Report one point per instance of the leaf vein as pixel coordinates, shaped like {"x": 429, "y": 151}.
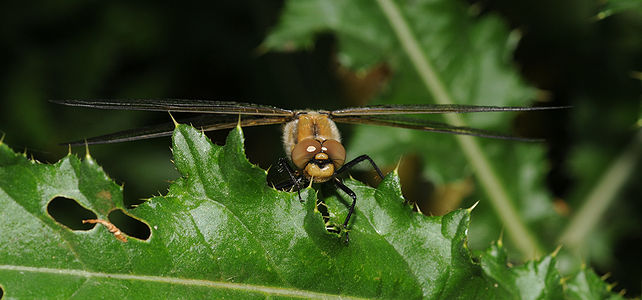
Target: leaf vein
{"x": 268, "y": 290}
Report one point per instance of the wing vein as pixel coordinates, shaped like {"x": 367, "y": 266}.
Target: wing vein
{"x": 180, "y": 105}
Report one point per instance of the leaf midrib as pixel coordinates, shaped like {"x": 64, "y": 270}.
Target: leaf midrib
{"x": 179, "y": 281}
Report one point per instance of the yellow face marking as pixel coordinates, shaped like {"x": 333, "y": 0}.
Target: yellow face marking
{"x": 319, "y": 174}
{"x": 321, "y": 156}
{"x": 311, "y": 149}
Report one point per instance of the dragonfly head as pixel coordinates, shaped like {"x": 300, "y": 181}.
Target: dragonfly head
{"x": 318, "y": 159}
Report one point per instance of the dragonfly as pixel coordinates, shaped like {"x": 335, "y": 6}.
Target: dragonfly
{"x": 311, "y": 139}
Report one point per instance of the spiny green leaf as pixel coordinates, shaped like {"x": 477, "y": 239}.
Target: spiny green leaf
{"x": 533, "y": 280}
{"x": 221, "y": 231}
{"x": 585, "y": 284}
{"x": 220, "y": 224}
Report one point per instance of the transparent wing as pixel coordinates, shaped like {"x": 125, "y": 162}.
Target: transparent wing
{"x": 180, "y": 105}
{"x": 426, "y": 125}
{"x": 203, "y": 122}
{"x": 429, "y": 109}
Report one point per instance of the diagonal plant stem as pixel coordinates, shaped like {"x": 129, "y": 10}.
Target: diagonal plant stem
{"x": 515, "y": 228}
{"x": 599, "y": 199}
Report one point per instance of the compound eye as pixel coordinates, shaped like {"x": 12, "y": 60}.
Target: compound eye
{"x": 304, "y": 151}
{"x": 335, "y": 151}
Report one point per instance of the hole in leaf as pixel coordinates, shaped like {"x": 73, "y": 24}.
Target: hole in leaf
{"x": 1, "y": 292}
{"x": 130, "y": 226}
{"x": 69, "y": 213}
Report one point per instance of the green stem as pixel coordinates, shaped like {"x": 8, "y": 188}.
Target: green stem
{"x": 501, "y": 202}
{"x": 600, "y": 198}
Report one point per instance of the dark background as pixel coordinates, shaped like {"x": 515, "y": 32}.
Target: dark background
{"x": 146, "y": 49}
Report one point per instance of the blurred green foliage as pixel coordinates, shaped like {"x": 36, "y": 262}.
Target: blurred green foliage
{"x": 121, "y": 49}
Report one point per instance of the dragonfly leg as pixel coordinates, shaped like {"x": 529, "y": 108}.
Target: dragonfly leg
{"x": 352, "y": 195}
{"x": 357, "y": 160}
{"x": 296, "y": 182}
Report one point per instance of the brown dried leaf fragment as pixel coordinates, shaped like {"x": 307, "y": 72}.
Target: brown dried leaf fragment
{"x": 111, "y": 227}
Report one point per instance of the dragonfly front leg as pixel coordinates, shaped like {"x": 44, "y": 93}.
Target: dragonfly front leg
{"x": 296, "y": 180}
{"x": 357, "y": 160}
{"x": 352, "y": 195}
{"x": 350, "y": 192}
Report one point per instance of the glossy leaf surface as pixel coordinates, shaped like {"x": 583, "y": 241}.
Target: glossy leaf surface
{"x": 221, "y": 231}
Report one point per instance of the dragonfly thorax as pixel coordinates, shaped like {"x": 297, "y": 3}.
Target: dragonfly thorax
{"x": 314, "y": 144}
